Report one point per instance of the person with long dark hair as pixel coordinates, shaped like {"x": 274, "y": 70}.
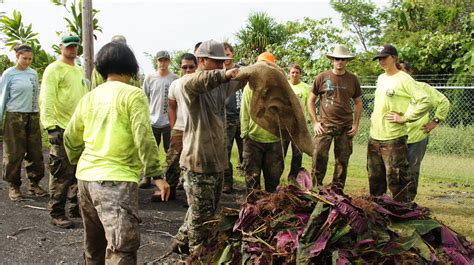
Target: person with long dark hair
{"x": 22, "y": 134}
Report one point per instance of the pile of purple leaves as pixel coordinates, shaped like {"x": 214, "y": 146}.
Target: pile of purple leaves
{"x": 301, "y": 225}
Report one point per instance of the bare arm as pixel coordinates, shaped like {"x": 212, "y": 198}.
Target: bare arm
{"x": 172, "y": 112}
{"x": 357, "y": 114}
{"x": 317, "y": 126}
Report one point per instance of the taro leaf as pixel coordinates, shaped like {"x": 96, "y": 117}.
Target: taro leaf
{"x": 309, "y": 234}
{"x": 456, "y": 256}
{"x": 402, "y": 230}
{"x": 340, "y": 233}
{"x": 226, "y": 223}
{"x": 415, "y": 241}
{"x": 225, "y": 255}
{"x": 286, "y": 238}
{"x": 247, "y": 215}
{"x": 449, "y": 240}
{"x": 320, "y": 244}
{"x": 421, "y": 226}
{"x": 332, "y": 216}
{"x": 302, "y": 180}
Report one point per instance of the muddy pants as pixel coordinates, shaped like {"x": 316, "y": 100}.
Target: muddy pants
{"x": 203, "y": 193}
{"x": 387, "y": 163}
{"x": 342, "y": 153}
{"x": 110, "y": 218}
{"x": 232, "y": 132}
{"x": 266, "y": 157}
{"x": 22, "y": 140}
{"x": 416, "y": 152}
{"x": 173, "y": 171}
{"x": 296, "y": 157}
{"x": 62, "y": 181}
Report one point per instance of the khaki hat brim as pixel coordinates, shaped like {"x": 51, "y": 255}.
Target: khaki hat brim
{"x": 348, "y": 57}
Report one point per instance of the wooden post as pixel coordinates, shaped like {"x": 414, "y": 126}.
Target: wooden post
{"x": 87, "y": 37}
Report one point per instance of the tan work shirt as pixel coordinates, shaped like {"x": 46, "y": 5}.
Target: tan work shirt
{"x": 204, "y": 93}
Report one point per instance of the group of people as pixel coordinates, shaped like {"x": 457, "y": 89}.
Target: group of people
{"x": 104, "y": 135}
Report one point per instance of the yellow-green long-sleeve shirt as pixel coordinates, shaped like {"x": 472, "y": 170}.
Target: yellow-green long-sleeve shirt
{"x": 394, "y": 94}
{"x": 302, "y": 91}
{"x": 440, "y": 103}
{"x": 62, "y": 87}
{"x": 248, "y": 127}
{"x": 109, "y": 136}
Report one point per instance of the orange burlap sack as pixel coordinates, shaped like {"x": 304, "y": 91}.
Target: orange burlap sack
{"x": 274, "y": 106}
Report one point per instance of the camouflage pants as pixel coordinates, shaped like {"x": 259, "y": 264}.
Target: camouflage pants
{"x": 62, "y": 181}
{"x": 232, "y": 132}
{"x": 22, "y": 140}
{"x": 110, "y": 218}
{"x": 387, "y": 162}
{"x": 203, "y": 192}
{"x": 342, "y": 153}
{"x": 172, "y": 171}
{"x": 415, "y": 154}
{"x": 296, "y": 157}
{"x": 266, "y": 157}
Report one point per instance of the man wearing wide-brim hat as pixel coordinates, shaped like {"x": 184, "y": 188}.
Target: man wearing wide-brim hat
{"x": 337, "y": 121}
{"x": 204, "y": 155}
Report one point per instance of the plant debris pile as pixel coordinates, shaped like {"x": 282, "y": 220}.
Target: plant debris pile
{"x": 300, "y": 225}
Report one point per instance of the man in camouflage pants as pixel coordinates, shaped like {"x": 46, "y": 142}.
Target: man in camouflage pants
{"x": 335, "y": 89}
{"x": 62, "y": 87}
{"x": 204, "y": 156}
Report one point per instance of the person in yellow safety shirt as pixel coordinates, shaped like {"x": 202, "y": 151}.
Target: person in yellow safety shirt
{"x": 110, "y": 139}
{"x": 302, "y": 91}
{"x": 387, "y": 163}
{"x": 418, "y": 131}
{"x": 63, "y": 85}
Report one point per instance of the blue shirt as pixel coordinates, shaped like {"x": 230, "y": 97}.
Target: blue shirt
{"x": 19, "y": 90}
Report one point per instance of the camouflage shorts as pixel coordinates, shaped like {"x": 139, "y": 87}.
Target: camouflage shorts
{"x": 173, "y": 171}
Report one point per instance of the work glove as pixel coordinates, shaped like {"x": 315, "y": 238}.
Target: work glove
{"x": 55, "y": 137}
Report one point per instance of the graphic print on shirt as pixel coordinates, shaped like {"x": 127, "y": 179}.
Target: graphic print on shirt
{"x": 329, "y": 90}
{"x": 34, "y": 87}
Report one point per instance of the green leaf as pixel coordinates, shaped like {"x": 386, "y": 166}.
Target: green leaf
{"x": 224, "y": 256}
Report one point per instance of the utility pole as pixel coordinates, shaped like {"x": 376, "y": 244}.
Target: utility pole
{"x": 87, "y": 37}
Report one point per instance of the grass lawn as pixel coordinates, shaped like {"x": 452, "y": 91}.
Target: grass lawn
{"x": 446, "y": 185}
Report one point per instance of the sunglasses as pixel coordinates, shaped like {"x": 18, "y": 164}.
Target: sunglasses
{"x": 340, "y": 59}
{"x": 186, "y": 67}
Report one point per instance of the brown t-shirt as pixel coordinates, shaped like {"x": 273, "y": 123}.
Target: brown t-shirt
{"x": 335, "y": 93}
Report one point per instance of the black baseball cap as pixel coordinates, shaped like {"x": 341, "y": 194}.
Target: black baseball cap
{"x": 384, "y": 51}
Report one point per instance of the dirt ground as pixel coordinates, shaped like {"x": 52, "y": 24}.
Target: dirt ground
{"x": 28, "y": 237}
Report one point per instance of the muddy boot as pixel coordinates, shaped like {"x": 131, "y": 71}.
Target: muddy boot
{"x": 35, "y": 190}
{"x": 62, "y": 222}
{"x": 144, "y": 183}
{"x": 14, "y": 193}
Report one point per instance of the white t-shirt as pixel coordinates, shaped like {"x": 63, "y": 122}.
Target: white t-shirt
{"x": 156, "y": 89}
{"x": 175, "y": 93}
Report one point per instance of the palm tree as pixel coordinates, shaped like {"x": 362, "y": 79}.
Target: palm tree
{"x": 260, "y": 31}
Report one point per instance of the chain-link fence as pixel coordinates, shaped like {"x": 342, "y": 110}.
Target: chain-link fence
{"x": 450, "y": 150}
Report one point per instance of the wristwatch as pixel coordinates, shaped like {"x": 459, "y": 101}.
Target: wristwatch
{"x": 436, "y": 120}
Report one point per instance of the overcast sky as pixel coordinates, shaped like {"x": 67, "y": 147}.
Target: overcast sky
{"x": 150, "y": 26}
